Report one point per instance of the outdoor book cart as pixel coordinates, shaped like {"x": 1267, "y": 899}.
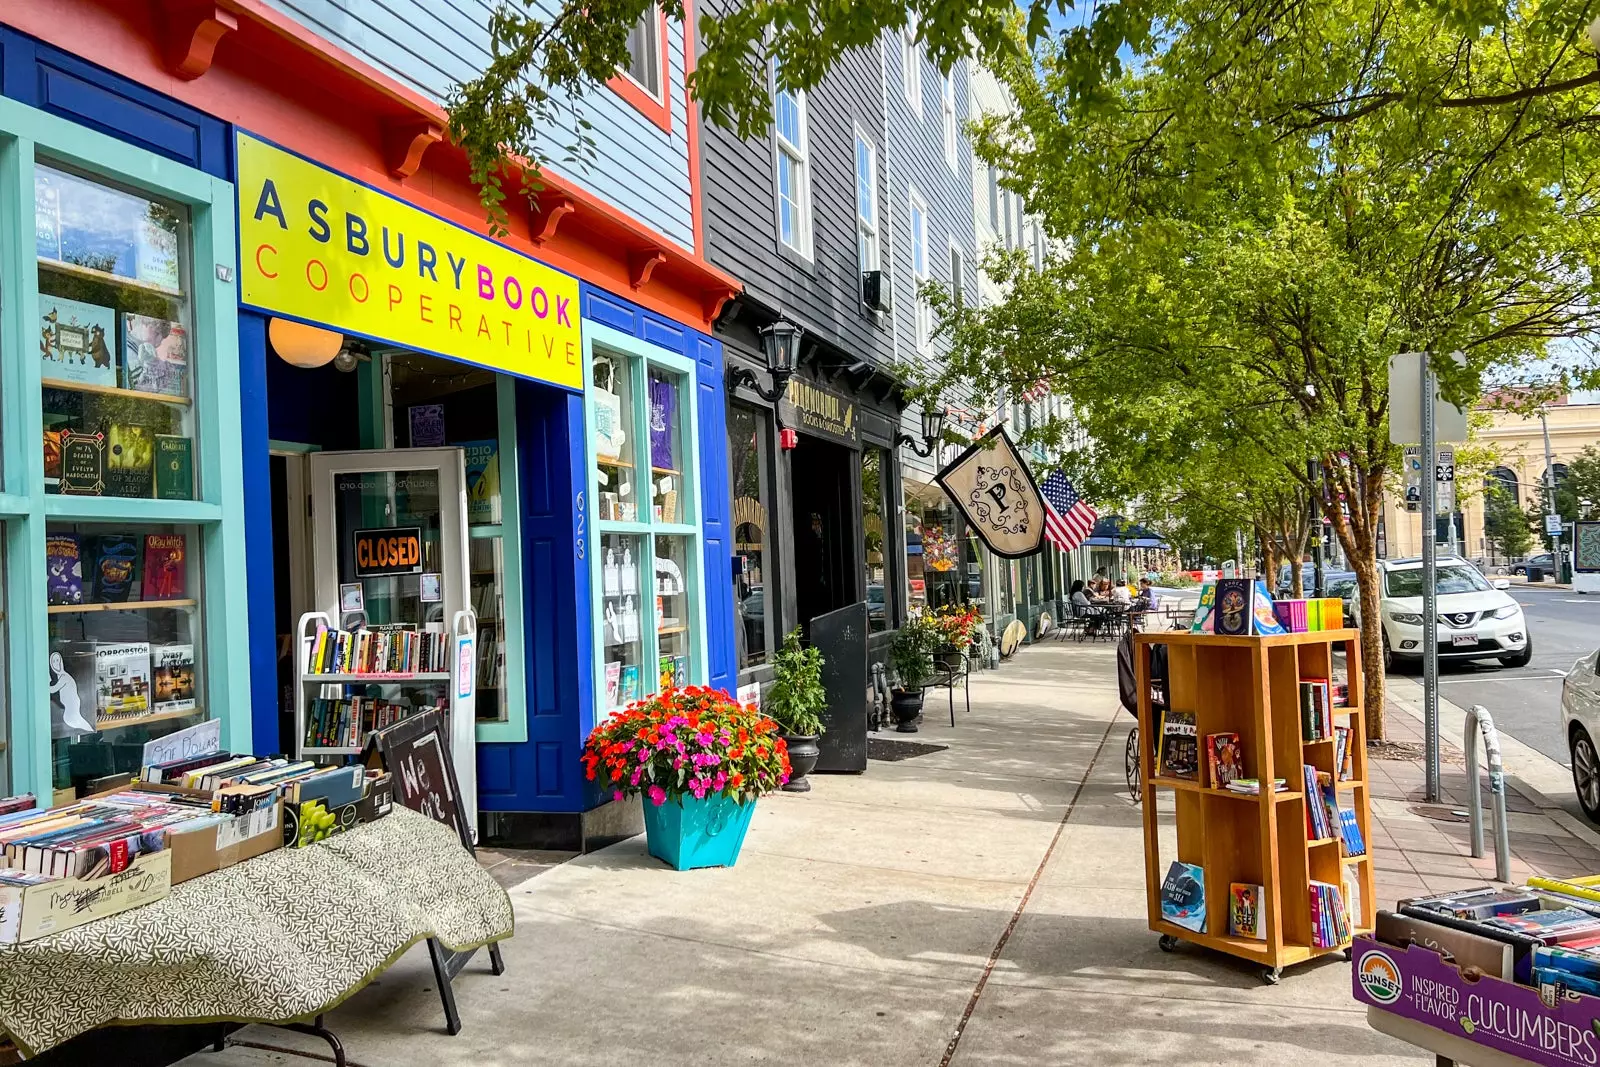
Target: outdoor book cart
{"x": 280, "y": 938}
{"x": 1418, "y": 995}
{"x": 1251, "y": 686}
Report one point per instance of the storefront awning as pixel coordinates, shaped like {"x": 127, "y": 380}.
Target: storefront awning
{"x": 1113, "y": 531}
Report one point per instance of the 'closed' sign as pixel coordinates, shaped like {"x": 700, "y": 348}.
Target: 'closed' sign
{"x": 395, "y": 550}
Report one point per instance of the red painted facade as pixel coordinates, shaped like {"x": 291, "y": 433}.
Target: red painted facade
{"x": 249, "y": 65}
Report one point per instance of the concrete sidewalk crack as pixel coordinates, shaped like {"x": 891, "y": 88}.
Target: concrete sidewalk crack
{"x": 1027, "y": 894}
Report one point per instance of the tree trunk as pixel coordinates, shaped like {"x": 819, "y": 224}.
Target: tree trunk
{"x": 1368, "y": 580}
{"x": 1357, "y": 533}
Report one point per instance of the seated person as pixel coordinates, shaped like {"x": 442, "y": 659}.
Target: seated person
{"x": 1120, "y": 596}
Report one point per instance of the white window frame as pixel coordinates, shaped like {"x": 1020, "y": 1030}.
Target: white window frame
{"x": 952, "y": 133}
{"x": 911, "y": 68}
{"x": 994, "y": 199}
{"x": 783, "y": 148}
{"x": 651, "y": 21}
{"x": 869, "y": 245}
{"x": 959, "y": 291}
{"x": 917, "y": 213}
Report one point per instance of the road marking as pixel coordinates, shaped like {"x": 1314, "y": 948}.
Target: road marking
{"x": 1562, "y": 673}
{"x": 1571, "y": 600}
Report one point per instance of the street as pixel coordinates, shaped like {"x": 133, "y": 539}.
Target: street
{"x": 1526, "y": 702}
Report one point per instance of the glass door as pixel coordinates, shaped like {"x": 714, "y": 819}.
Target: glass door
{"x": 389, "y": 561}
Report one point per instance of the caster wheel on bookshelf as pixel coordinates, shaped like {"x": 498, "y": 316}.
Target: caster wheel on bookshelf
{"x": 1167, "y": 943}
{"x": 1272, "y": 975}
{"x": 1348, "y": 954}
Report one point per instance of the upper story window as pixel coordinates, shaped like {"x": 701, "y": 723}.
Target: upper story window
{"x": 911, "y": 68}
{"x": 793, "y": 167}
{"x": 951, "y": 133}
{"x": 644, "y": 52}
{"x": 919, "y": 268}
{"x": 1038, "y": 244}
{"x": 867, "y": 202}
{"x": 1008, "y": 204}
{"x": 958, "y": 277}
{"x": 994, "y": 198}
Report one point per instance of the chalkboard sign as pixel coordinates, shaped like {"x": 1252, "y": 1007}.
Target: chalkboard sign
{"x": 416, "y": 751}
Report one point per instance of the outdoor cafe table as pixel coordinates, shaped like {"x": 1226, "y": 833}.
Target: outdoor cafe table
{"x": 282, "y": 937}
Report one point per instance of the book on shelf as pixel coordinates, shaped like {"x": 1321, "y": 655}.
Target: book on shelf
{"x": 1252, "y": 786}
{"x": 75, "y": 342}
{"x": 1180, "y": 748}
{"x": 1330, "y": 926}
{"x": 155, "y": 355}
{"x": 1351, "y": 843}
{"x": 63, "y": 569}
{"x": 1246, "y": 917}
{"x": 130, "y": 460}
{"x": 1353, "y": 915}
{"x": 174, "y": 467}
{"x": 165, "y": 567}
{"x": 1342, "y": 757}
{"x": 1183, "y": 896}
{"x": 83, "y": 463}
{"x": 345, "y": 723}
{"x": 122, "y": 680}
{"x": 1224, "y": 760}
{"x": 1316, "y": 710}
{"x": 378, "y": 650}
{"x": 173, "y": 670}
{"x": 116, "y": 557}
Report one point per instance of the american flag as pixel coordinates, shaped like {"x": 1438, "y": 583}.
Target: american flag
{"x": 1068, "y": 518}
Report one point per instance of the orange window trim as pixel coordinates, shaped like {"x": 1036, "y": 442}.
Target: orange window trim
{"x": 658, "y": 111}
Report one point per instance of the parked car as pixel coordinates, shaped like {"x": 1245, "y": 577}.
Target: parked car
{"x": 1534, "y": 568}
{"x": 1308, "y": 578}
{"x": 1580, "y": 720}
{"x": 1477, "y": 618}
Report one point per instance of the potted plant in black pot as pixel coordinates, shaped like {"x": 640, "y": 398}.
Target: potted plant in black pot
{"x": 911, "y": 657}
{"x": 794, "y": 701}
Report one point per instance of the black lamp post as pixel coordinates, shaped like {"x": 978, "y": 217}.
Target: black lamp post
{"x": 932, "y": 432}
{"x": 781, "y": 342}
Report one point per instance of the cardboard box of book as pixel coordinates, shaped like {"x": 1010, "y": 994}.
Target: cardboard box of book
{"x": 51, "y": 905}
{"x": 213, "y": 848}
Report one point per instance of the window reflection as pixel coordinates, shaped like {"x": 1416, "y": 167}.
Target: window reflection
{"x": 873, "y": 465}
{"x": 747, "y": 458}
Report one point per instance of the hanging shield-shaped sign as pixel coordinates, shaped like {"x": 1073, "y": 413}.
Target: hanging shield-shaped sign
{"x": 994, "y": 489}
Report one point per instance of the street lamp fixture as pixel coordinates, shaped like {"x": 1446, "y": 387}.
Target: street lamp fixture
{"x": 780, "y": 342}
{"x": 932, "y": 432}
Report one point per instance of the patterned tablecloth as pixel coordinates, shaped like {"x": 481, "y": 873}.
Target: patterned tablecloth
{"x": 279, "y": 937}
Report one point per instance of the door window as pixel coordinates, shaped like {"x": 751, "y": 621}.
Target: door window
{"x": 753, "y": 590}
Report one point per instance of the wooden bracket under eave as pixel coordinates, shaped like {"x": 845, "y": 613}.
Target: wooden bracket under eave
{"x": 712, "y": 301}
{"x": 405, "y": 141}
{"x": 553, "y": 212}
{"x": 643, "y": 264}
{"x": 192, "y": 31}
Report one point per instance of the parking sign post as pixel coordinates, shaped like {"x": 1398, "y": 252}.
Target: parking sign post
{"x": 1430, "y": 604}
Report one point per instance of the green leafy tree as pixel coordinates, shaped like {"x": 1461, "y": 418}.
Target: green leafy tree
{"x": 1504, "y": 523}
{"x": 1578, "y": 494}
{"x": 1269, "y": 203}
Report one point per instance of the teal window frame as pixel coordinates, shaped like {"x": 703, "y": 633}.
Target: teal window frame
{"x": 509, "y": 531}
{"x": 641, "y": 356}
{"x": 218, "y": 509}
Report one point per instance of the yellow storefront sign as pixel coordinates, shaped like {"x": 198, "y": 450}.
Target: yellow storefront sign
{"x": 317, "y": 246}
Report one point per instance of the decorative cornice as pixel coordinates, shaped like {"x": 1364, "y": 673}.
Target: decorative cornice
{"x": 192, "y": 30}
{"x": 405, "y": 141}
{"x": 557, "y": 209}
{"x": 643, "y": 264}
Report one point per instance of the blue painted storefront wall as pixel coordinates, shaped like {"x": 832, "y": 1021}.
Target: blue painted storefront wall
{"x": 431, "y": 46}
{"x": 542, "y": 774}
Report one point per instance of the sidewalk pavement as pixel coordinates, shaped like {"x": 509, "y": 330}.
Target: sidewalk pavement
{"x": 983, "y": 904}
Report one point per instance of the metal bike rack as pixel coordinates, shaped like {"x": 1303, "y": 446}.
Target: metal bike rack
{"x": 1479, "y": 720}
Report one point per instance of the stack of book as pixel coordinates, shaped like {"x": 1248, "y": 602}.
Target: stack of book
{"x": 346, "y": 723}
{"x": 397, "y": 651}
{"x": 1252, "y": 786}
{"x": 1351, "y": 843}
{"x": 1316, "y": 709}
{"x": 1330, "y": 920}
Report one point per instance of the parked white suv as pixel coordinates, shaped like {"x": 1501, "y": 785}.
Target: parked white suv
{"x": 1477, "y": 618}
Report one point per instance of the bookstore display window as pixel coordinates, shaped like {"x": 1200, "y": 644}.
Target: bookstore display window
{"x": 125, "y": 643}
{"x": 646, "y": 542}
{"x": 115, "y": 330}
{"x": 438, "y": 402}
{"x": 755, "y": 598}
{"x": 874, "y": 474}
{"x": 934, "y": 549}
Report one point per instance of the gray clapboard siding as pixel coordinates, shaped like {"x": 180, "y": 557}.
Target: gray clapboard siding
{"x": 740, "y": 211}
{"x": 432, "y": 45}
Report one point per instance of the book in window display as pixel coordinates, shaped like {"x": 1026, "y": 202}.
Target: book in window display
{"x": 115, "y": 557}
{"x": 173, "y": 677}
{"x": 155, "y": 355}
{"x": 165, "y": 567}
{"x": 63, "y": 569}
{"x": 174, "y": 467}
{"x": 122, "y": 680}
{"x": 130, "y": 460}
{"x": 75, "y": 341}
{"x": 83, "y": 463}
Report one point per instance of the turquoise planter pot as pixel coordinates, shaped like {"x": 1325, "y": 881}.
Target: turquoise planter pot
{"x": 697, "y": 833}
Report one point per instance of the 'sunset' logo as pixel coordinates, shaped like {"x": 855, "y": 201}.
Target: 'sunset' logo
{"x": 1379, "y": 977}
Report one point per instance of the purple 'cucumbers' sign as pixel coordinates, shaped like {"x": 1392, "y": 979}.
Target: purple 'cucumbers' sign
{"x": 1416, "y": 983}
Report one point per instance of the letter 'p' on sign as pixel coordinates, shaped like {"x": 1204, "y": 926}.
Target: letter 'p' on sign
{"x": 393, "y": 550}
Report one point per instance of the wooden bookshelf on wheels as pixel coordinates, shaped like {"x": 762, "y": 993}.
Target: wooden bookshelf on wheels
{"x": 1250, "y": 686}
